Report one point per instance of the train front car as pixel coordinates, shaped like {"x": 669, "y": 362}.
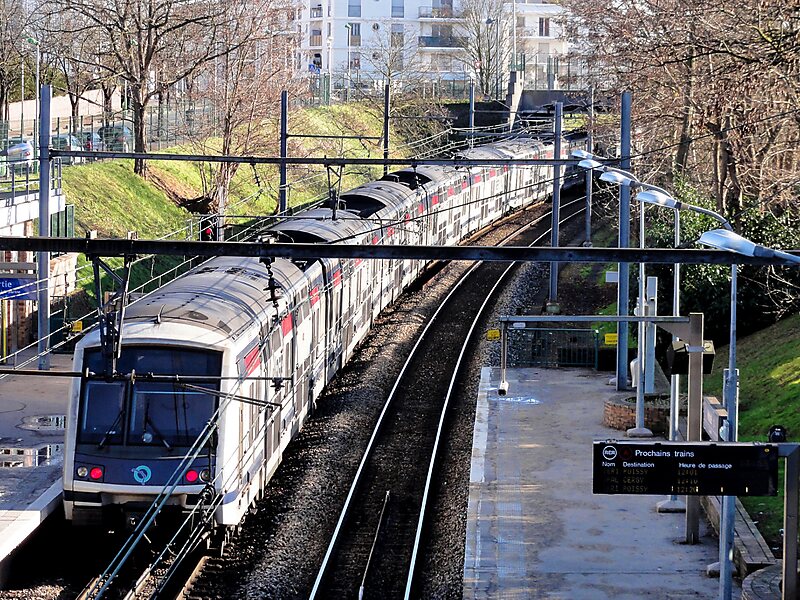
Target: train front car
{"x": 127, "y": 436}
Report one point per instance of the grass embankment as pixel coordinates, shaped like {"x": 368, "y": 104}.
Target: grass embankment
{"x": 109, "y": 198}
{"x": 769, "y": 394}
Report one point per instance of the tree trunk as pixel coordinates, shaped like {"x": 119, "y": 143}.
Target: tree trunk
{"x": 74, "y": 105}
{"x": 139, "y": 101}
{"x": 108, "y": 94}
{"x": 682, "y": 153}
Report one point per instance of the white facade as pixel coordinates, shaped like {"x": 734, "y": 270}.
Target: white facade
{"x": 375, "y": 33}
{"x": 540, "y": 38}
{"x": 361, "y": 40}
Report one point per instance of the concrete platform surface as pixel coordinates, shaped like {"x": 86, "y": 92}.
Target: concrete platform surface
{"x": 534, "y": 528}
{"x": 32, "y": 411}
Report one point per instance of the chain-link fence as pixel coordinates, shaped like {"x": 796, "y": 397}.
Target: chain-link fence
{"x": 541, "y": 347}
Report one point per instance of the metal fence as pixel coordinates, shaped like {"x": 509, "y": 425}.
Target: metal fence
{"x": 540, "y": 347}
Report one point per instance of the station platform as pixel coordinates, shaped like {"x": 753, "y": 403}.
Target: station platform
{"x": 32, "y": 415}
{"x": 534, "y": 528}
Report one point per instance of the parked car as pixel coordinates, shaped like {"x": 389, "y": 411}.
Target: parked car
{"x": 66, "y": 141}
{"x": 18, "y": 153}
{"x": 117, "y": 138}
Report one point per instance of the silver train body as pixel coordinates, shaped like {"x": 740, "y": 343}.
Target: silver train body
{"x": 126, "y": 439}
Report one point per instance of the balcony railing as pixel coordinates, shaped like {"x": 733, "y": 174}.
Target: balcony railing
{"x": 440, "y": 41}
{"x": 444, "y": 12}
{"x": 315, "y": 41}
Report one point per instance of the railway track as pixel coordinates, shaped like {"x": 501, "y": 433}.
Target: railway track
{"x": 374, "y": 549}
{"x": 399, "y": 509}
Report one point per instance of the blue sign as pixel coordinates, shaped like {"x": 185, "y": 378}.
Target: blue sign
{"x": 18, "y": 288}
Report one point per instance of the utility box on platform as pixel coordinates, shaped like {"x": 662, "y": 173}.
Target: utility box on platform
{"x": 678, "y": 357}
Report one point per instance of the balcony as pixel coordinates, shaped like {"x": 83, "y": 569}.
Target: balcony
{"x": 315, "y": 41}
{"x": 440, "y": 41}
{"x": 316, "y": 12}
{"x": 445, "y": 12}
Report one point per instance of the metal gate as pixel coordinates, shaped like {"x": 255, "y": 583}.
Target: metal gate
{"x": 539, "y": 347}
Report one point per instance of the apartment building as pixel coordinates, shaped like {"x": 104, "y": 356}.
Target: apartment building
{"x": 365, "y": 42}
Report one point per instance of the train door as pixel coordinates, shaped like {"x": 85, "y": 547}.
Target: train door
{"x": 335, "y": 316}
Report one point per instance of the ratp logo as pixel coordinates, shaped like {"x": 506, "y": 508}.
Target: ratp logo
{"x": 609, "y": 453}
{"x": 142, "y": 474}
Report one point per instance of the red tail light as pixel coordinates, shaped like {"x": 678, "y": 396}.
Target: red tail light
{"x": 191, "y": 475}
{"x": 96, "y": 473}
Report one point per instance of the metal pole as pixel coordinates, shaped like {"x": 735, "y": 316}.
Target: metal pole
{"x": 514, "y": 33}
{"x": 386, "y": 106}
{"x": 790, "y": 500}
{"x": 497, "y": 59}
{"x": 673, "y": 504}
{"x": 589, "y": 145}
{"x": 282, "y": 203}
{"x": 38, "y": 120}
{"x": 22, "y": 103}
{"x": 624, "y": 242}
{"x": 471, "y": 113}
{"x": 552, "y": 300}
{"x": 347, "y": 95}
{"x": 640, "y": 430}
{"x": 728, "y": 512}
{"x": 694, "y": 427}
{"x": 43, "y": 258}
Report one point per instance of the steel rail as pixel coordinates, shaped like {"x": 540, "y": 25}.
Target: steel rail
{"x": 305, "y": 251}
{"x": 453, "y": 379}
{"x": 379, "y": 425}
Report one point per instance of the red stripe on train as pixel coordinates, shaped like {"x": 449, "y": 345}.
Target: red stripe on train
{"x": 286, "y": 324}
{"x": 252, "y": 360}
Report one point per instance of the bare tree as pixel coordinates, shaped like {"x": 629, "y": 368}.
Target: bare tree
{"x": 152, "y": 44}
{"x": 484, "y": 39}
{"x": 12, "y": 26}
{"x": 246, "y": 80}
{"x": 391, "y": 52}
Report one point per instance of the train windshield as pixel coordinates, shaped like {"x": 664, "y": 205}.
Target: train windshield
{"x": 146, "y": 413}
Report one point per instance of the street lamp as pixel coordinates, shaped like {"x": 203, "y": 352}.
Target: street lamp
{"x": 35, "y": 42}
{"x": 489, "y": 22}
{"x": 349, "y": 82}
{"x": 724, "y": 239}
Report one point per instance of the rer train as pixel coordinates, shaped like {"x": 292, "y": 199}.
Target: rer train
{"x": 240, "y": 322}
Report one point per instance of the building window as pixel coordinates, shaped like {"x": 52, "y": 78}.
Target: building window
{"x": 353, "y": 8}
{"x": 398, "y": 8}
{"x": 544, "y": 27}
{"x": 355, "y": 60}
{"x": 355, "y": 34}
{"x": 397, "y": 38}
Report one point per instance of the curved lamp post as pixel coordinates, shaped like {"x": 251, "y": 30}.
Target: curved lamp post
{"x": 589, "y": 161}
{"x": 724, "y": 239}
{"x": 625, "y": 178}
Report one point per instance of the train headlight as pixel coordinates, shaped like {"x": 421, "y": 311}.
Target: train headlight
{"x": 82, "y": 472}
{"x": 205, "y": 475}
{"x": 96, "y": 473}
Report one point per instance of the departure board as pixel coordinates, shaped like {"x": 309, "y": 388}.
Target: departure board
{"x": 694, "y": 468}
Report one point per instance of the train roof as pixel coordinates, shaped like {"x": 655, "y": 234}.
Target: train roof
{"x": 226, "y": 294}
{"x": 413, "y": 177}
{"x": 318, "y": 225}
{"x": 377, "y": 196}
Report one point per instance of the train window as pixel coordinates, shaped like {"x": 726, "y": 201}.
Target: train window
{"x": 103, "y": 413}
{"x": 162, "y": 415}
{"x": 150, "y": 413}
